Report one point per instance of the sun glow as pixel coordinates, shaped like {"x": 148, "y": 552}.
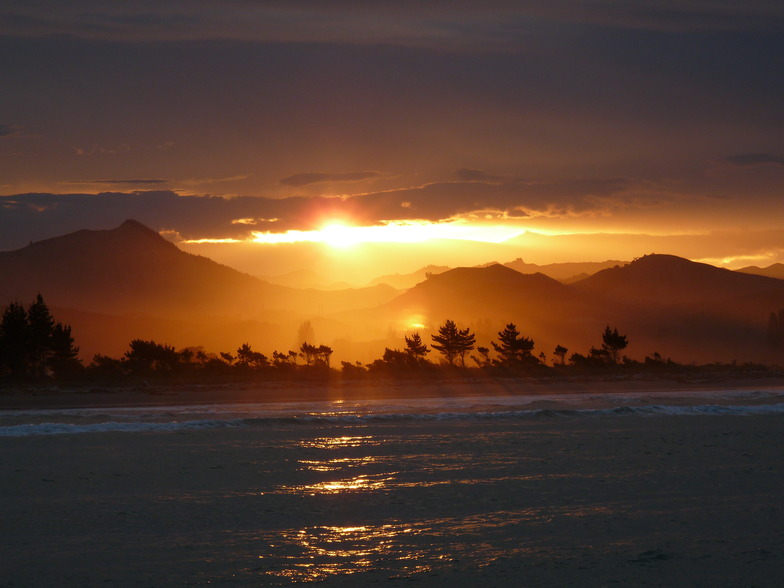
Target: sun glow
{"x": 340, "y": 234}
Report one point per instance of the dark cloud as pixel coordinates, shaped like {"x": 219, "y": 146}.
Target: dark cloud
{"x": 465, "y": 174}
{"x": 130, "y": 182}
{"x": 37, "y": 216}
{"x": 320, "y": 178}
{"x": 6, "y": 130}
{"x": 755, "y": 159}
{"x": 442, "y": 23}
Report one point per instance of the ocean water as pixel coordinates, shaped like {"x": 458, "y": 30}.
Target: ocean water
{"x": 14, "y": 423}
{"x": 662, "y": 489}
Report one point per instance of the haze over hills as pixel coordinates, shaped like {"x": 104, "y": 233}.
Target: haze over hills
{"x": 667, "y": 304}
{"x": 101, "y": 278}
{"x": 306, "y": 279}
{"x": 125, "y": 283}
{"x": 566, "y": 272}
{"x": 772, "y": 271}
{"x": 563, "y": 272}
{"x": 490, "y": 297}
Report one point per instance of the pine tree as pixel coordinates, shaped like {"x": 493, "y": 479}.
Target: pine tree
{"x": 416, "y": 349}
{"x": 560, "y": 352}
{"x": 32, "y": 343}
{"x": 453, "y": 343}
{"x": 40, "y": 324}
{"x": 512, "y": 348}
{"x": 14, "y": 340}
{"x": 612, "y": 343}
{"x": 63, "y": 360}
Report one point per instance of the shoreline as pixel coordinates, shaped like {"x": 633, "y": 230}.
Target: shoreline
{"x": 249, "y": 392}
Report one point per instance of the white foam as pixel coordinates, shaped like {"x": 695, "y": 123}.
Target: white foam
{"x": 231, "y": 418}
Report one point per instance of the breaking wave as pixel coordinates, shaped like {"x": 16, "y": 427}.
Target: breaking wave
{"x": 172, "y": 421}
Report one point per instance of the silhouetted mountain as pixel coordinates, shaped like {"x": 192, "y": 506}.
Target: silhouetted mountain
{"x": 133, "y": 271}
{"x": 563, "y": 272}
{"x": 667, "y": 280}
{"x": 406, "y": 281}
{"x": 488, "y": 298}
{"x": 772, "y": 271}
{"x": 306, "y": 279}
{"x": 693, "y": 310}
{"x": 129, "y": 282}
{"x": 127, "y": 269}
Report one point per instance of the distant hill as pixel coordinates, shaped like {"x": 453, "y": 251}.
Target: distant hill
{"x": 406, "y": 281}
{"x": 116, "y": 285}
{"x": 124, "y": 270}
{"x": 487, "y": 298}
{"x": 772, "y": 271}
{"x": 666, "y": 280}
{"x": 306, "y": 279}
{"x": 564, "y": 272}
{"x": 131, "y": 271}
{"x": 690, "y": 309}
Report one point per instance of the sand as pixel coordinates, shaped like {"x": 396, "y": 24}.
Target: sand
{"x": 605, "y": 501}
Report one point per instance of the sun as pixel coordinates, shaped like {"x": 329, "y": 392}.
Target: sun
{"x": 339, "y": 235}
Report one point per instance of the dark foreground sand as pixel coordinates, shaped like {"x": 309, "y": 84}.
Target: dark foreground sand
{"x": 604, "y": 501}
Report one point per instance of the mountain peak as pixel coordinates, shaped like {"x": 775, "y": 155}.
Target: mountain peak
{"x": 132, "y": 224}
{"x": 131, "y": 227}
{"x": 655, "y": 278}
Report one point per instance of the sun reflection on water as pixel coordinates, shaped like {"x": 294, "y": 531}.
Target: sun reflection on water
{"x": 332, "y": 465}
{"x": 335, "y": 442}
{"x": 363, "y": 483}
{"x": 325, "y": 551}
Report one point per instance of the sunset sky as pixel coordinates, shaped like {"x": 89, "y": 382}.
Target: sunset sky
{"x": 468, "y": 132}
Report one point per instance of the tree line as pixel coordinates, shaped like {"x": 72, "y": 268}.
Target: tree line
{"x": 33, "y": 346}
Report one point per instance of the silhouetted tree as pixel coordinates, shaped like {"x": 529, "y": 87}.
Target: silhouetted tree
{"x": 146, "y": 357}
{"x": 323, "y": 354}
{"x": 352, "y": 369}
{"x": 32, "y": 343}
{"x": 14, "y": 339}
{"x": 63, "y": 358}
{"x": 560, "y": 352}
{"x": 453, "y": 343}
{"x": 308, "y": 352}
{"x": 484, "y": 357}
{"x": 415, "y": 348}
{"x": 247, "y": 358}
{"x": 284, "y": 360}
{"x": 512, "y": 348}
{"x": 107, "y": 367}
{"x": 397, "y": 359}
{"x": 599, "y": 355}
{"x": 39, "y": 325}
{"x": 613, "y": 342}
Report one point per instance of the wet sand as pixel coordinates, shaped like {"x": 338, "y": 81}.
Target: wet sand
{"x": 606, "y": 501}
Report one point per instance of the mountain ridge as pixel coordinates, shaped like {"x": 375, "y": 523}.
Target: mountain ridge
{"x": 665, "y": 303}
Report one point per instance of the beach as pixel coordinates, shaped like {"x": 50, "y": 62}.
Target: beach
{"x": 657, "y": 488}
